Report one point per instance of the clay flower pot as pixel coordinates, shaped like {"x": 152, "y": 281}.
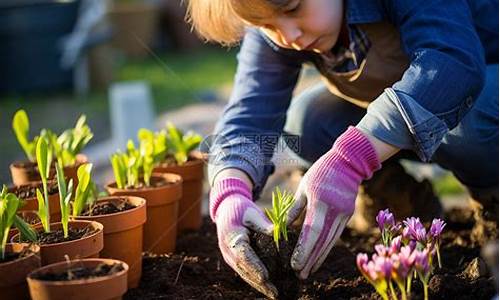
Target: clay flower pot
{"x": 85, "y": 247}
{"x": 13, "y": 273}
{"x": 192, "y": 173}
{"x": 123, "y": 234}
{"x": 107, "y": 287}
{"x": 23, "y": 172}
{"x": 162, "y": 202}
{"x": 31, "y": 203}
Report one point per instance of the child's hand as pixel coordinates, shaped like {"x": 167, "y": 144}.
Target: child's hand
{"x": 328, "y": 191}
{"x": 233, "y": 211}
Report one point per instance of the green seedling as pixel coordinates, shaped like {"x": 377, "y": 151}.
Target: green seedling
{"x": 9, "y": 204}
{"x": 71, "y": 142}
{"x": 158, "y": 140}
{"x": 21, "y": 127}
{"x": 129, "y": 167}
{"x": 65, "y": 193}
{"x": 85, "y": 191}
{"x": 44, "y": 160}
{"x": 179, "y": 144}
{"x": 282, "y": 202}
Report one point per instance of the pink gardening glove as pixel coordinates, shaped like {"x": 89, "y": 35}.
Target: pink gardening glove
{"x": 234, "y": 213}
{"x": 329, "y": 190}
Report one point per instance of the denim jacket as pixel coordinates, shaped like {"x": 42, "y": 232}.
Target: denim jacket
{"x": 448, "y": 43}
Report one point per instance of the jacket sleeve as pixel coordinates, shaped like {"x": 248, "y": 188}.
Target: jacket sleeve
{"x": 445, "y": 75}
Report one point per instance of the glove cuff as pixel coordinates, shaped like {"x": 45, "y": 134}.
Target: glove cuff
{"x": 358, "y": 151}
{"x": 223, "y": 189}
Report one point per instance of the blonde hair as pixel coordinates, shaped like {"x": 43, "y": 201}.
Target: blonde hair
{"x": 223, "y": 21}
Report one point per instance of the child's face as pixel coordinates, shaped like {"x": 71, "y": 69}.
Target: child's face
{"x": 312, "y": 25}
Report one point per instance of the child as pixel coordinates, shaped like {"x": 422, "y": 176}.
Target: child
{"x": 411, "y": 75}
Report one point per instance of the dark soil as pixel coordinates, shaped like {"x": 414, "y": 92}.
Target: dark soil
{"x": 197, "y": 271}
{"x": 29, "y": 191}
{"x": 81, "y": 272}
{"x": 108, "y": 207}
{"x": 277, "y": 262}
{"x": 57, "y": 236}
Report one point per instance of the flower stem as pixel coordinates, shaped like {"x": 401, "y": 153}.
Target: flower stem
{"x": 393, "y": 293}
{"x": 408, "y": 284}
{"x": 401, "y": 287}
{"x": 426, "y": 291}
{"x": 438, "y": 255}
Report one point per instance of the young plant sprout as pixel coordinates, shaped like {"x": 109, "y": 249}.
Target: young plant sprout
{"x": 282, "y": 202}
{"x": 21, "y": 127}
{"x": 44, "y": 160}
{"x": 9, "y": 204}
{"x": 157, "y": 140}
{"x": 71, "y": 142}
{"x": 180, "y": 144}
{"x": 128, "y": 167}
{"x": 85, "y": 191}
{"x": 65, "y": 194}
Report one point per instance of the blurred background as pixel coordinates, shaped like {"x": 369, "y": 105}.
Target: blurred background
{"x": 60, "y": 59}
{"x": 126, "y": 64}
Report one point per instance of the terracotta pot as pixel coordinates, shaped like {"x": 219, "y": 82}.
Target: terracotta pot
{"x": 13, "y": 273}
{"x": 25, "y": 215}
{"x": 23, "y": 172}
{"x": 123, "y": 235}
{"x": 192, "y": 173}
{"x": 86, "y": 247}
{"x": 134, "y": 26}
{"x": 31, "y": 204}
{"x": 162, "y": 203}
{"x": 107, "y": 287}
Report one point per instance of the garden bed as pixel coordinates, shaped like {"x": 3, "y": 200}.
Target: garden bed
{"x": 197, "y": 270}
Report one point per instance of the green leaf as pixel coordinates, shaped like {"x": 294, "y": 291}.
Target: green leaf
{"x": 83, "y": 189}
{"x": 44, "y": 159}
{"x": 27, "y": 233}
{"x": 21, "y": 127}
{"x": 119, "y": 170}
{"x": 42, "y": 210}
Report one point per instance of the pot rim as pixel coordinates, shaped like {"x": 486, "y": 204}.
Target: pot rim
{"x": 29, "y": 277}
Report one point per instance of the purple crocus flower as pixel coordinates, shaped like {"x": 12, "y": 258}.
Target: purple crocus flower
{"x": 382, "y": 250}
{"x": 385, "y": 219}
{"x": 406, "y": 259}
{"x": 383, "y": 266}
{"x": 366, "y": 267}
{"x": 415, "y": 229}
{"x": 395, "y": 245}
{"x": 437, "y": 227}
{"x": 422, "y": 261}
